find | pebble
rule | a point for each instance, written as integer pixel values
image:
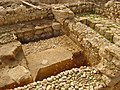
(74, 79)
(49, 79)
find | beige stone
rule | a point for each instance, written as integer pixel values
(48, 29)
(21, 75)
(2, 20)
(62, 13)
(7, 82)
(116, 38)
(50, 62)
(10, 50)
(56, 26)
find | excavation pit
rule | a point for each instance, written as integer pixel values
(50, 57)
(59, 45)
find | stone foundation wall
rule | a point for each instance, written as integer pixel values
(82, 7)
(22, 13)
(71, 1)
(100, 53)
(112, 11)
(10, 15)
(40, 32)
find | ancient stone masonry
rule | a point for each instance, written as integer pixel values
(97, 49)
(112, 11)
(59, 45)
(21, 13)
(82, 7)
(11, 15)
(108, 28)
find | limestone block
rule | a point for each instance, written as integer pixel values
(56, 26)
(6, 82)
(108, 68)
(116, 38)
(110, 62)
(7, 37)
(39, 30)
(10, 11)
(10, 50)
(20, 9)
(102, 30)
(20, 74)
(109, 35)
(2, 11)
(62, 13)
(2, 20)
(47, 29)
(28, 32)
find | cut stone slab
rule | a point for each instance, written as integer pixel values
(11, 54)
(21, 75)
(10, 50)
(51, 62)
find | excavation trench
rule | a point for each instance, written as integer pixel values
(52, 61)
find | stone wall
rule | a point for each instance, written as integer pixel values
(98, 50)
(39, 32)
(71, 1)
(112, 11)
(82, 7)
(21, 13)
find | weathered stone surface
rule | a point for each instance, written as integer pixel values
(110, 63)
(111, 10)
(116, 39)
(11, 54)
(56, 26)
(50, 62)
(20, 75)
(61, 13)
(7, 38)
(6, 82)
(9, 51)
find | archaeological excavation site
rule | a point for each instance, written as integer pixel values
(59, 45)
